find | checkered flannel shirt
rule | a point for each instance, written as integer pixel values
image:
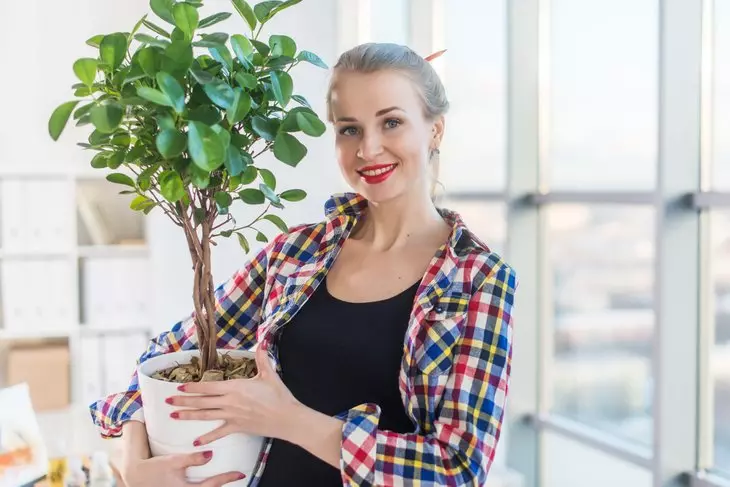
(456, 353)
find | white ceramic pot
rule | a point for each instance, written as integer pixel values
(234, 453)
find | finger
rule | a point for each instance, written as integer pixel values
(196, 402)
(222, 479)
(216, 434)
(212, 388)
(200, 414)
(191, 459)
(263, 364)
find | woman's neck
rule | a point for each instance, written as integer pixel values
(401, 222)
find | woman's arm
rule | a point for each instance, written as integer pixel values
(240, 301)
(458, 448)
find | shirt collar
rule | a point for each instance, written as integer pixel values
(354, 204)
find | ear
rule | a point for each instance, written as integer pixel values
(437, 131)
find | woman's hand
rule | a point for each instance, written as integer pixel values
(261, 406)
(169, 471)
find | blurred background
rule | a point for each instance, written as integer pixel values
(588, 143)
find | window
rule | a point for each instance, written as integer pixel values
(720, 360)
(721, 98)
(473, 150)
(603, 94)
(486, 219)
(602, 267)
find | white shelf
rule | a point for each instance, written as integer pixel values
(15, 255)
(37, 333)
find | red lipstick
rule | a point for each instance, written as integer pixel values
(383, 172)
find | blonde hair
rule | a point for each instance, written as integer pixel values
(375, 56)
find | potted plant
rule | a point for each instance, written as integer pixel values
(180, 114)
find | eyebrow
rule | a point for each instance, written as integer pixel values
(377, 114)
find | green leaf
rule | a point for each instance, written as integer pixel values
(152, 41)
(171, 186)
(290, 123)
(282, 46)
(178, 58)
(156, 29)
(310, 124)
(140, 203)
(205, 146)
(283, 87)
(312, 58)
(269, 194)
(170, 87)
(98, 138)
(249, 175)
(280, 62)
(207, 114)
(120, 178)
(163, 9)
(243, 242)
(150, 60)
(122, 140)
(95, 41)
(247, 81)
(137, 151)
(99, 161)
(243, 48)
(261, 47)
(107, 116)
(220, 93)
(263, 9)
(213, 39)
(265, 127)
(288, 149)
(252, 196)
(268, 178)
(241, 106)
(202, 77)
(223, 199)
(135, 29)
(278, 222)
(245, 11)
(186, 18)
(293, 195)
(171, 143)
(116, 159)
(214, 19)
(82, 110)
(224, 135)
(155, 96)
(60, 117)
(234, 161)
(85, 70)
(113, 48)
(221, 54)
(261, 237)
(178, 35)
(301, 100)
(199, 177)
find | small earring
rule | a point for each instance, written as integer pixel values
(435, 152)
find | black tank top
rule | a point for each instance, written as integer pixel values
(336, 355)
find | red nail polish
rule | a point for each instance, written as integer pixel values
(241, 476)
(208, 454)
(196, 443)
(175, 415)
(168, 400)
(181, 388)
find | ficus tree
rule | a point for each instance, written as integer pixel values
(181, 114)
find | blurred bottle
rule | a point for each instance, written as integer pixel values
(75, 475)
(100, 472)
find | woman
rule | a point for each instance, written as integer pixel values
(391, 322)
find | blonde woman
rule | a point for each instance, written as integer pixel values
(390, 322)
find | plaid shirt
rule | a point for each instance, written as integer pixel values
(455, 367)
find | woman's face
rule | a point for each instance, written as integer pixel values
(383, 138)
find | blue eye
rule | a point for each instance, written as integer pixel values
(392, 123)
(348, 131)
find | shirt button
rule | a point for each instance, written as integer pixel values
(439, 309)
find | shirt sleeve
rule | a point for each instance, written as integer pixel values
(239, 303)
(459, 446)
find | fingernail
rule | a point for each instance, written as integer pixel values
(175, 415)
(208, 454)
(181, 388)
(168, 400)
(196, 443)
(241, 476)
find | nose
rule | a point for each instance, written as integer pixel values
(371, 146)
